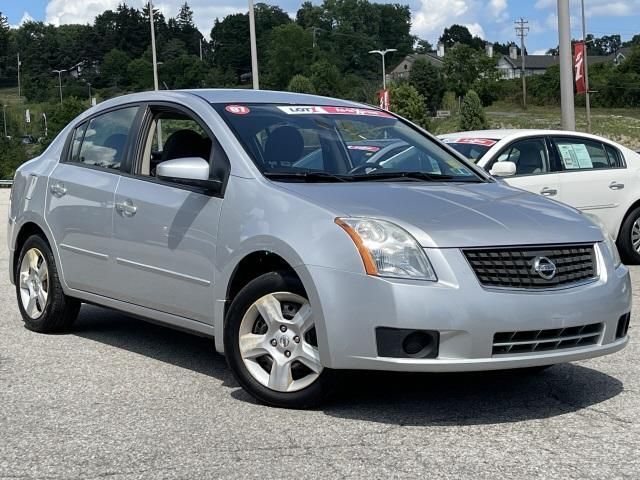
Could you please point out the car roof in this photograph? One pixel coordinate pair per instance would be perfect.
(514, 133)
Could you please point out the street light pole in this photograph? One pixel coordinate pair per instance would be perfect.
(254, 48)
(382, 53)
(566, 67)
(60, 72)
(587, 100)
(4, 119)
(200, 48)
(153, 47)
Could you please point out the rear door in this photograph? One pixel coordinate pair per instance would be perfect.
(80, 197)
(594, 178)
(535, 171)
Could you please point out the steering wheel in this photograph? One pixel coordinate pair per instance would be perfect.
(364, 167)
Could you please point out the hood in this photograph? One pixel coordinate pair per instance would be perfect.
(454, 215)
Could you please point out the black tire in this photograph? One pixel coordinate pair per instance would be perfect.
(625, 245)
(60, 311)
(308, 397)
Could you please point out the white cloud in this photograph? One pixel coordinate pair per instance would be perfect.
(475, 29)
(26, 17)
(498, 9)
(596, 8)
(434, 15)
(84, 11)
(542, 51)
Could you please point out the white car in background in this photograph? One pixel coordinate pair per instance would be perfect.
(590, 173)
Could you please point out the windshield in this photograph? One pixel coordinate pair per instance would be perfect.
(472, 148)
(323, 143)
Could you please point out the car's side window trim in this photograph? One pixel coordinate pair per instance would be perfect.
(218, 159)
(67, 150)
(553, 139)
(510, 145)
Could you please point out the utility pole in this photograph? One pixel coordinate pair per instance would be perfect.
(200, 48)
(521, 30)
(587, 100)
(254, 49)
(566, 66)
(153, 47)
(19, 91)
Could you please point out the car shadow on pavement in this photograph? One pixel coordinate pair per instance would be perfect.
(470, 398)
(161, 343)
(384, 397)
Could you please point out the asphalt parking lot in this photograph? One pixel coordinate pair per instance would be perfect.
(120, 398)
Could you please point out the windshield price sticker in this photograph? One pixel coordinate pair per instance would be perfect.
(237, 109)
(318, 110)
(486, 142)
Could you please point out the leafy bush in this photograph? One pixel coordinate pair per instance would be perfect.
(301, 84)
(12, 155)
(405, 100)
(472, 115)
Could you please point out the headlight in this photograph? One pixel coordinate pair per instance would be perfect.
(388, 250)
(608, 241)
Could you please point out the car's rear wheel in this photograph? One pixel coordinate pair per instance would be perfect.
(271, 345)
(43, 305)
(629, 238)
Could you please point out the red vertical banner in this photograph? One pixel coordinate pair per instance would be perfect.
(578, 66)
(383, 95)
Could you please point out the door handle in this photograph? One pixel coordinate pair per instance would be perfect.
(616, 186)
(58, 189)
(548, 192)
(126, 208)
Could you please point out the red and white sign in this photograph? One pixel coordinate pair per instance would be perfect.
(322, 110)
(578, 65)
(237, 109)
(486, 142)
(364, 148)
(383, 95)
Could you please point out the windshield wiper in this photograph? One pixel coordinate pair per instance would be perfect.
(308, 176)
(409, 175)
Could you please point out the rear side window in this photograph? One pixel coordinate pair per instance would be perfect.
(583, 154)
(615, 157)
(101, 141)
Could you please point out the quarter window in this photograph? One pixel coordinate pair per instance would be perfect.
(579, 154)
(101, 142)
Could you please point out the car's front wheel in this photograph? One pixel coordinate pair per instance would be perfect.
(271, 344)
(629, 238)
(43, 305)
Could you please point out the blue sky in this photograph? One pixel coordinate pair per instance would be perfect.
(491, 19)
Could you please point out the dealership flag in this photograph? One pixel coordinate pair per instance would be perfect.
(383, 95)
(578, 65)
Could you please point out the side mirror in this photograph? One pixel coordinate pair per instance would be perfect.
(503, 169)
(192, 171)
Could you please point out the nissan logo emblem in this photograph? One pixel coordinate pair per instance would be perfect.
(544, 267)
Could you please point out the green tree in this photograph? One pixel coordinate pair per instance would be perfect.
(301, 84)
(140, 74)
(63, 113)
(461, 68)
(326, 79)
(405, 100)
(472, 115)
(114, 67)
(290, 53)
(429, 82)
(459, 34)
(423, 46)
(12, 155)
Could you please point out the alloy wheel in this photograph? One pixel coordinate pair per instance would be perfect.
(34, 283)
(278, 344)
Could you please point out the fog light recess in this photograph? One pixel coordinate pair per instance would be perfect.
(407, 343)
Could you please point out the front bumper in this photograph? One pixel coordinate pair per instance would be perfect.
(350, 306)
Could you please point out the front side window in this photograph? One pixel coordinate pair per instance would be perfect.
(326, 143)
(583, 154)
(102, 141)
(529, 155)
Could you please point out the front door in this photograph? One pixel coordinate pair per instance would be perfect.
(165, 234)
(80, 198)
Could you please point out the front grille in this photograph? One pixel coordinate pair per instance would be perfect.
(514, 267)
(545, 340)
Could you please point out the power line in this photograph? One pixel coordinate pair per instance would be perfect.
(522, 29)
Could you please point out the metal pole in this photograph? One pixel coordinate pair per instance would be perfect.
(46, 128)
(254, 49)
(384, 76)
(587, 100)
(19, 91)
(153, 47)
(201, 49)
(4, 119)
(89, 93)
(60, 83)
(566, 67)
(521, 31)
